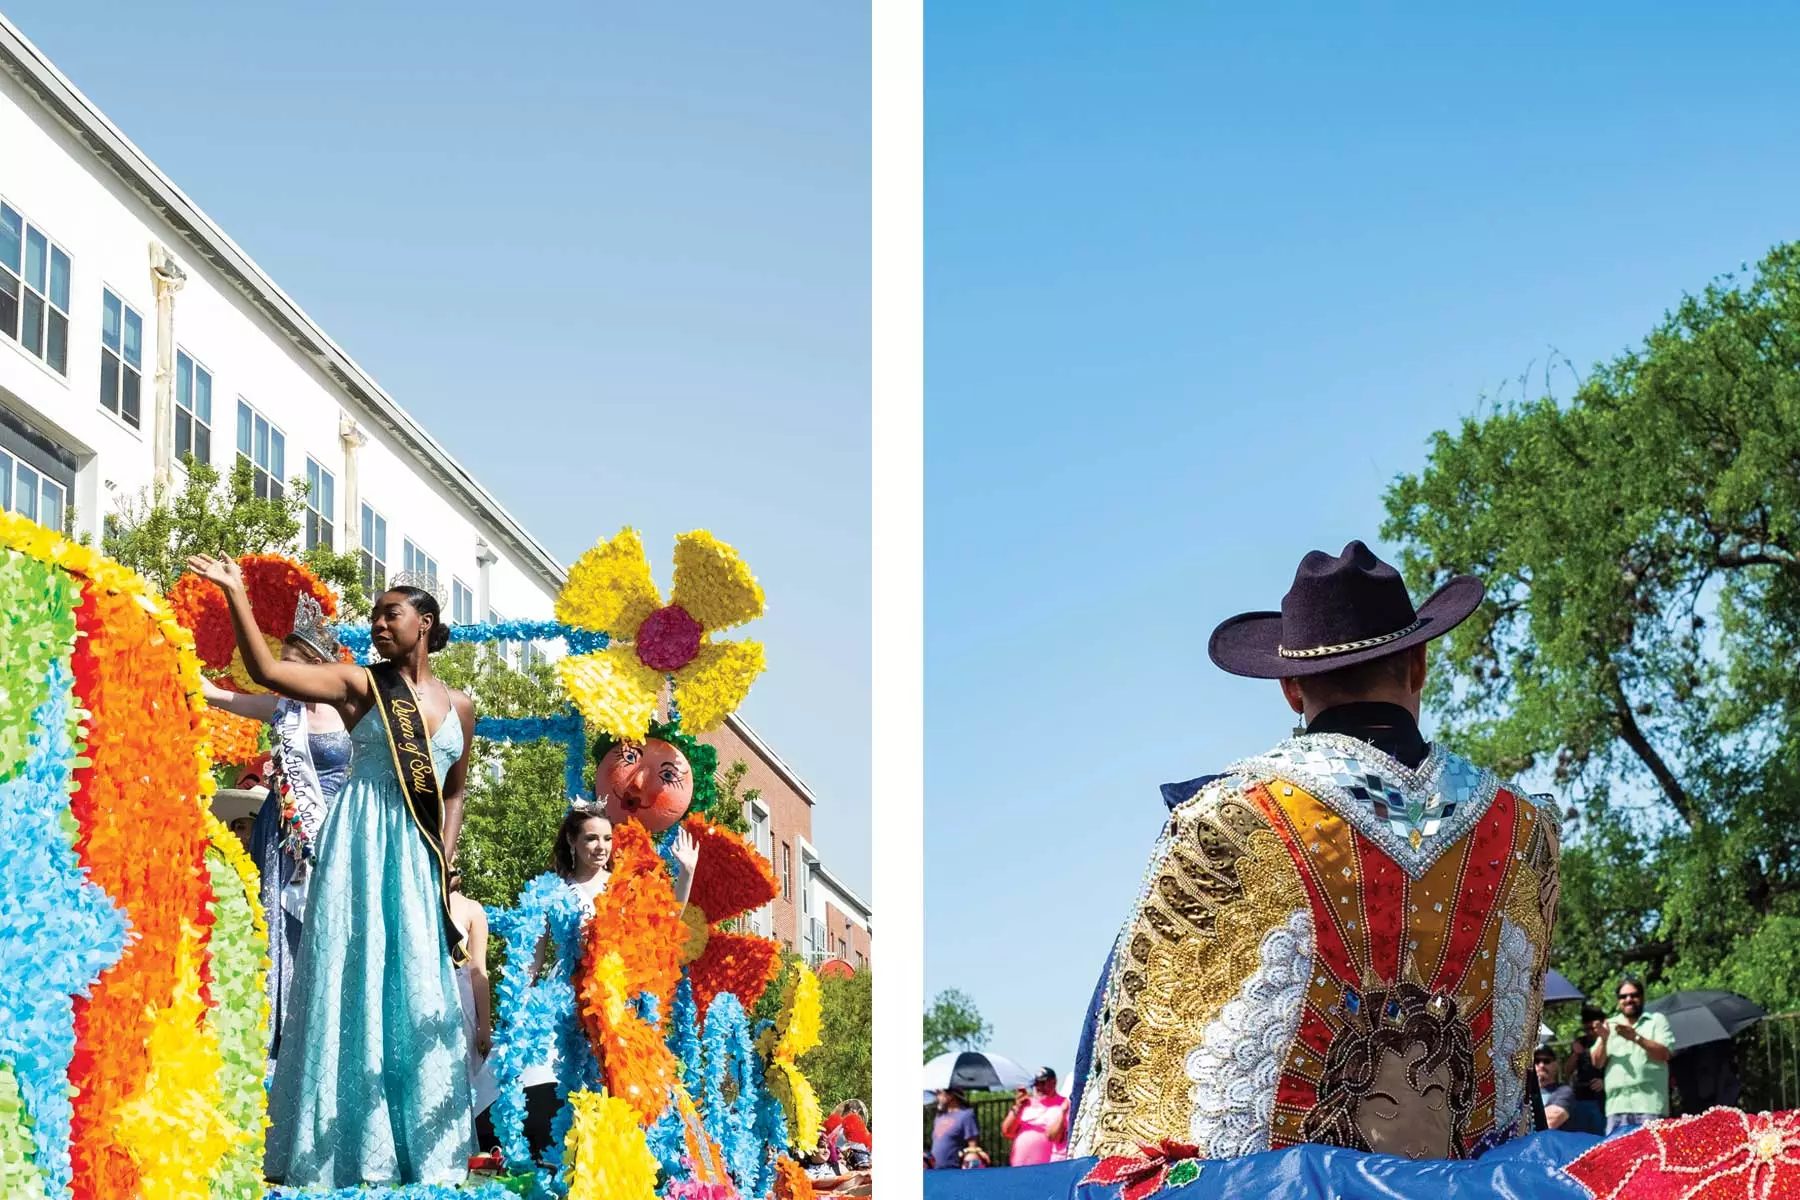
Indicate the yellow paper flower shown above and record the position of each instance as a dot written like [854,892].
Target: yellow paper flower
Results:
[605,1153]
[651,643]
[796,1032]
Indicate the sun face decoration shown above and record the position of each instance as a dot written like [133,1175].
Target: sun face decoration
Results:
[654,644]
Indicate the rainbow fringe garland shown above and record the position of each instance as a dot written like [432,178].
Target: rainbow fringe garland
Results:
[133,1022]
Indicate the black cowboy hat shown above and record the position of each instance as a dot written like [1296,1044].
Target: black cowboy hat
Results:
[1341,611]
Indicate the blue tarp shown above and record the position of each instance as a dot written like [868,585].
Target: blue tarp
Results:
[1527,1169]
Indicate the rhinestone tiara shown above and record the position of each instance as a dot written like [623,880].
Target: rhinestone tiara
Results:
[313,627]
[425,583]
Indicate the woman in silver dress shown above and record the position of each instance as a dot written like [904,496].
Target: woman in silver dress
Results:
[312,759]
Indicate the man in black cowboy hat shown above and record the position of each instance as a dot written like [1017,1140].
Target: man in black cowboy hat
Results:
[1353,914]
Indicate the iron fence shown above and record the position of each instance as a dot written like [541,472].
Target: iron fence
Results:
[1768,1056]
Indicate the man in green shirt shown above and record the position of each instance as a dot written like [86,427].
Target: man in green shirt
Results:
[1633,1050]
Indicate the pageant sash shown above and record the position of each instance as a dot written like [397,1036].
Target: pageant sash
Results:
[405,723]
[302,798]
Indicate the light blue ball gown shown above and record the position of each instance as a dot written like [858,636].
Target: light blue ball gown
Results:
[372,1084]
[331,762]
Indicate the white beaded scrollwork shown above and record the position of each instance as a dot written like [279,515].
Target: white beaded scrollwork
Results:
[1512,1010]
[1237,1065]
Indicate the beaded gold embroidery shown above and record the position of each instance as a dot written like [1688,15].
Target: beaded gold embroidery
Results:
[1223,883]
[1531,905]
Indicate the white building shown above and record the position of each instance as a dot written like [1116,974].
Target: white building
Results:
[133,331]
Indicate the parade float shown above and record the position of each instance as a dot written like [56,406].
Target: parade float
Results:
[132,1025]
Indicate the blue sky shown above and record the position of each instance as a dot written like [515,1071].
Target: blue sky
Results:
[646,227]
[1200,283]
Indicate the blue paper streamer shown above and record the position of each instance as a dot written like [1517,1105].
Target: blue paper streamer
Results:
[566,727]
[728,1053]
[411,1191]
[533,1019]
[58,931]
[355,638]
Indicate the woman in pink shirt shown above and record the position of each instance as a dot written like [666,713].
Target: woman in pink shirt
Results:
[1038,1123]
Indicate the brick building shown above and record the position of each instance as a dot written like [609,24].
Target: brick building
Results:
[814,914]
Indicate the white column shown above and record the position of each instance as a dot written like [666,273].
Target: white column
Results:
[484,559]
[352,438]
[167,278]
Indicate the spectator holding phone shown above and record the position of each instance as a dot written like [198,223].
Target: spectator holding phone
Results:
[1634,1049]
[1038,1123]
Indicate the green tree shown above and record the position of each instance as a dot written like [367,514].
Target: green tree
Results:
[155,532]
[728,809]
[768,1005]
[1641,547]
[841,1066]
[954,1023]
[516,794]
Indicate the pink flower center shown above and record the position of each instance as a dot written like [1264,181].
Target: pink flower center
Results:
[668,639]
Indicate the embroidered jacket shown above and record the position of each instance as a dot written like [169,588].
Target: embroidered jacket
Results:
[1316,895]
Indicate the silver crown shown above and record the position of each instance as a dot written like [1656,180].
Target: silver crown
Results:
[425,583]
[314,628]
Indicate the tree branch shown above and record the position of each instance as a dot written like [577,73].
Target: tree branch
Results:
[1633,735]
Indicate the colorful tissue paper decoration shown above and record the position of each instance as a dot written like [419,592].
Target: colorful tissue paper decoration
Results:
[530,1020]
[275,584]
[605,1153]
[699,1100]
[132,940]
[791,1180]
[20,1175]
[632,948]
[234,740]
[238,1011]
[794,1034]
[566,728]
[130,1082]
[732,880]
[652,643]
[355,638]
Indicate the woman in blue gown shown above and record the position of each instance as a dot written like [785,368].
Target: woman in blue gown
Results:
[372,1084]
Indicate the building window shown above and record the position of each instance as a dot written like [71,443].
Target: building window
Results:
[121,360]
[415,561]
[193,409]
[503,649]
[462,603]
[31,494]
[321,505]
[374,551]
[787,871]
[34,290]
[266,449]
[530,655]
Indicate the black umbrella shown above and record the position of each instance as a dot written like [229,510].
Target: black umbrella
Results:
[1557,989]
[1696,1018]
[972,1070]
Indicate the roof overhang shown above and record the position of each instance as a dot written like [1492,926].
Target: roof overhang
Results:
[362,396]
